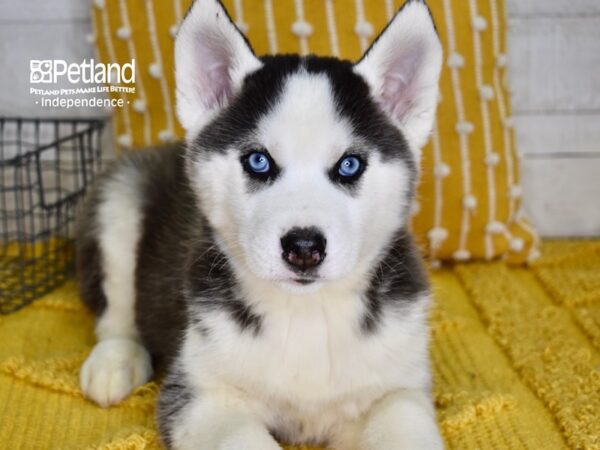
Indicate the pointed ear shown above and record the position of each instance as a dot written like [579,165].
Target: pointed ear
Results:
[402,68]
[212,57]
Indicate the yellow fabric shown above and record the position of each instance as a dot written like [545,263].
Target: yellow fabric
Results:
[516,358]
[472,149]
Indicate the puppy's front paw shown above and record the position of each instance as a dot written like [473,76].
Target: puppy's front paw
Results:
[402,421]
[113,369]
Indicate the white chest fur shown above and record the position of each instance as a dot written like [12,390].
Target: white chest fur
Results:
[311,369]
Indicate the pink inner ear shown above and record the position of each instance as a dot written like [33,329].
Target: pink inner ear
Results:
[214,82]
[221,88]
[400,84]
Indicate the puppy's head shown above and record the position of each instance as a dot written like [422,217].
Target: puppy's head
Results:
[305,167]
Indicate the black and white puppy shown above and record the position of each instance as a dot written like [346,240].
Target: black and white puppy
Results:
[268,260]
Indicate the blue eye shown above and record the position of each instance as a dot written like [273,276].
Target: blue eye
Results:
[349,166]
[258,162]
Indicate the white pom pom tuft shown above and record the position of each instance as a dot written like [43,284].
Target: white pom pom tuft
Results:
[464,127]
[302,28]
[486,92]
[364,29]
[442,170]
[517,245]
[165,136]
[479,23]
[139,105]
[455,60]
[495,227]
[461,255]
[469,202]
[492,159]
[437,235]
[516,191]
[155,70]
[124,33]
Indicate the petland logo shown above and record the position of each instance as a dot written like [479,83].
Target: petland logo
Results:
[85,85]
[53,70]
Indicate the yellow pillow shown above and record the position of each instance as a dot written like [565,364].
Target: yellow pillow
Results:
[469,197]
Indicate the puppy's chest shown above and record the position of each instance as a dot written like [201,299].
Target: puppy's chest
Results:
[309,358]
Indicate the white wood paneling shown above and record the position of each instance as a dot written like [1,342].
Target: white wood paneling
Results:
[562,195]
[555,64]
[44,10]
[554,78]
[21,42]
[551,134]
[545,8]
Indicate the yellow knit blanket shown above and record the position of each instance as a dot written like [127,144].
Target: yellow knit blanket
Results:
[516,355]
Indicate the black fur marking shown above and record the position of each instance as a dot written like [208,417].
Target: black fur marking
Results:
[211,286]
[398,278]
[174,396]
[169,226]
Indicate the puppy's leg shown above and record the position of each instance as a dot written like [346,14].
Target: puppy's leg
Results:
[118,363]
[190,420]
[404,420]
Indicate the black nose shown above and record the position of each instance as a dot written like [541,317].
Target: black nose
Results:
[303,248]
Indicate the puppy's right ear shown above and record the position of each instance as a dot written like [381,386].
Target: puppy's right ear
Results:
[212,57]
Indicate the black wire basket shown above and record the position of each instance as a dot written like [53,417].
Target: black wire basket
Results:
[45,167]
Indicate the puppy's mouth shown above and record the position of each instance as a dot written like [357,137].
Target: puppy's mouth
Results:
[301,284]
[304,281]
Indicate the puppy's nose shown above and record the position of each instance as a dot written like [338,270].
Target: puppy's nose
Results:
[303,248]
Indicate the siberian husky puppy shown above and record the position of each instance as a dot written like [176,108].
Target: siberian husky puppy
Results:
[267,261]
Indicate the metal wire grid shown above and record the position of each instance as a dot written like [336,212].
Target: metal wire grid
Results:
[45,167]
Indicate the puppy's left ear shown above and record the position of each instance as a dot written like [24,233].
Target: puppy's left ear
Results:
[212,58]
[402,68]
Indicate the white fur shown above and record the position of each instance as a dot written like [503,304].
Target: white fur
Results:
[311,367]
[403,419]
[113,369]
[119,362]
[304,135]
[403,69]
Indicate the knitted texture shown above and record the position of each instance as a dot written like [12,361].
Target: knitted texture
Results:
[515,351]
[469,199]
